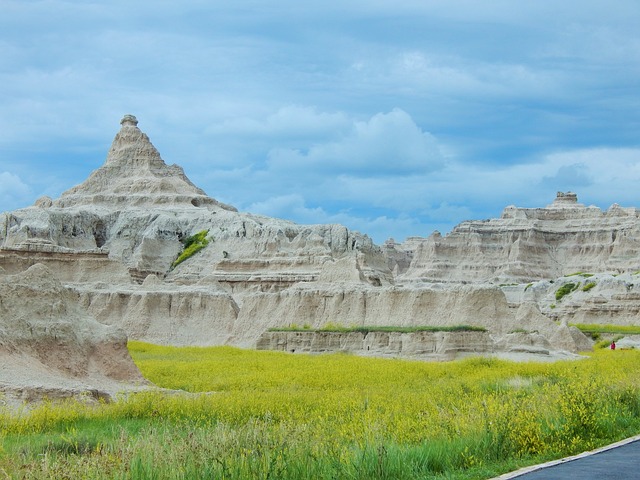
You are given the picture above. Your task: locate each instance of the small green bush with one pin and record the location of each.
(192, 245)
(566, 289)
(588, 286)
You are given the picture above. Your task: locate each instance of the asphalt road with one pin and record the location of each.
(617, 461)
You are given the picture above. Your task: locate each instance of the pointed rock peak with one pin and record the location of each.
(134, 175)
(132, 147)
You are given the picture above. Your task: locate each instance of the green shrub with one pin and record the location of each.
(566, 289)
(607, 328)
(192, 245)
(588, 286)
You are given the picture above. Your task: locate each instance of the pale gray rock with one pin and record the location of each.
(531, 244)
(417, 345)
(50, 345)
(135, 209)
(113, 240)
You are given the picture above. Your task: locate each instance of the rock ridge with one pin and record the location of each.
(113, 239)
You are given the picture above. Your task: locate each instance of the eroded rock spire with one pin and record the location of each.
(134, 174)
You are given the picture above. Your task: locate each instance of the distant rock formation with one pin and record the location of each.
(529, 244)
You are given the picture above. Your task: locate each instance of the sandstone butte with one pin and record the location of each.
(81, 273)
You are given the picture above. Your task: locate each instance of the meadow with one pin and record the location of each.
(235, 414)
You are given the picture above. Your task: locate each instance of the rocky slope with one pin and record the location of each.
(112, 241)
(50, 347)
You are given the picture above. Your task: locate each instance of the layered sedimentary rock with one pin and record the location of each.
(113, 241)
(527, 244)
(352, 305)
(135, 210)
(50, 346)
(439, 346)
(416, 345)
(599, 298)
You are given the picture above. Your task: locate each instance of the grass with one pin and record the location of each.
(277, 415)
(192, 245)
(581, 274)
(332, 327)
(612, 329)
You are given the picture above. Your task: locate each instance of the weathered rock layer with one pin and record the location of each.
(49, 346)
(527, 244)
(113, 241)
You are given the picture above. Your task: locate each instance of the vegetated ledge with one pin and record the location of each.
(428, 343)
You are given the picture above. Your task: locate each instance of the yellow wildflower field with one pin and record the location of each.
(250, 414)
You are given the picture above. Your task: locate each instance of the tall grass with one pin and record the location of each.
(248, 414)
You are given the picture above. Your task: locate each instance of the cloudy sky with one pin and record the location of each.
(393, 118)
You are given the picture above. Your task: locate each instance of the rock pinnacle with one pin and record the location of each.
(129, 120)
(134, 175)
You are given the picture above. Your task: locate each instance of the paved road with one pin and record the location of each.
(618, 461)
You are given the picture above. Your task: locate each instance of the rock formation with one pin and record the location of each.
(50, 347)
(527, 244)
(112, 241)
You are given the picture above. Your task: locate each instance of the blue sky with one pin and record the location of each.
(393, 118)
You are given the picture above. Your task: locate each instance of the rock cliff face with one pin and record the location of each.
(135, 210)
(49, 346)
(438, 346)
(112, 241)
(527, 244)
(418, 345)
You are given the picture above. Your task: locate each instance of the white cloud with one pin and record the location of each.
(387, 144)
(13, 192)
(290, 121)
(386, 115)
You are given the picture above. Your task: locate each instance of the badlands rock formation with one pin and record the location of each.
(423, 345)
(527, 244)
(50, 347)
(112, 241)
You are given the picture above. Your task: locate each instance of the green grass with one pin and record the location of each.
(605, 328)
(249, 414)
(192, 245)
(581, 274)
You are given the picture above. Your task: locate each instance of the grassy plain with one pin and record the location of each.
(250, 414)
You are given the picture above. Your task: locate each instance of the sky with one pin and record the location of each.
(392, 118)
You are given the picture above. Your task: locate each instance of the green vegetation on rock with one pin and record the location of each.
(192, 245)
(581, 274)
(566, 289)
(606, 328)
(588, 286)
